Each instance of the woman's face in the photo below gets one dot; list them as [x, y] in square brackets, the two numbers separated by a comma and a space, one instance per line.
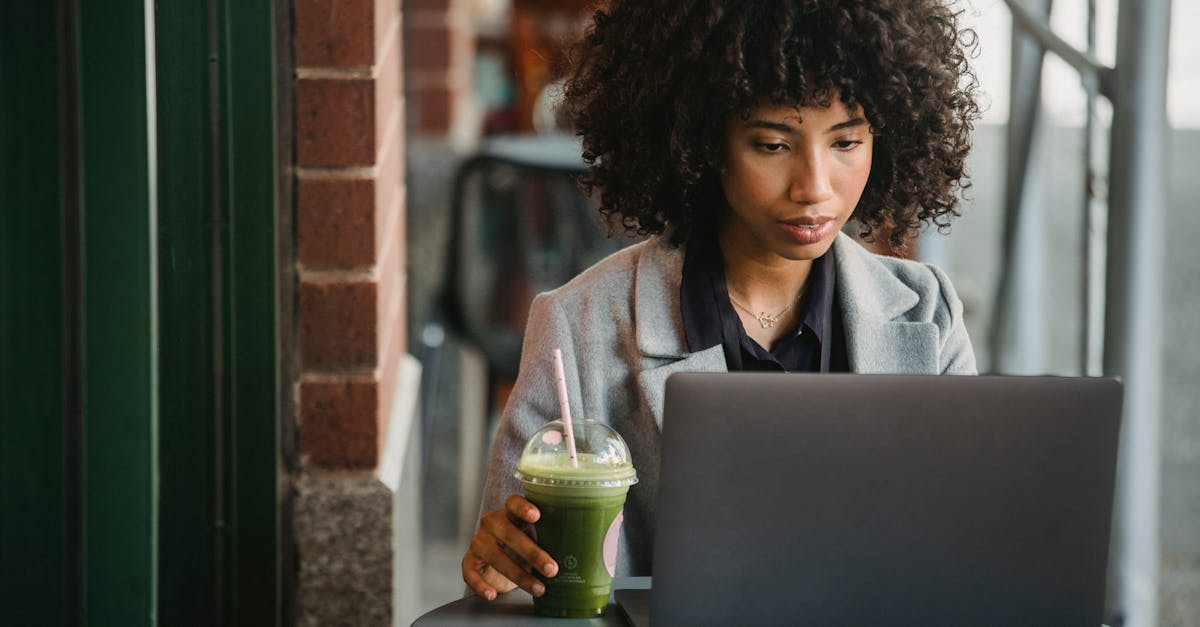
[793, 177]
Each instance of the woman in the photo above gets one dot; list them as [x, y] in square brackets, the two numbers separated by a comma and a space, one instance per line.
[742, 137]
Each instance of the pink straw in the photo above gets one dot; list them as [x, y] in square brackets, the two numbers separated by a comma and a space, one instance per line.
[561, 379]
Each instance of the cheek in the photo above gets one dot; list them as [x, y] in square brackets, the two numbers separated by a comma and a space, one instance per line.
[854, 180]
[749, 185]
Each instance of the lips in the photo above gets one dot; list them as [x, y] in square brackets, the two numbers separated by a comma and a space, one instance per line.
[807, 229]
[807, 221]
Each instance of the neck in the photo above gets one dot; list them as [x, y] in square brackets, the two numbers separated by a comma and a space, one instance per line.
[763, 282]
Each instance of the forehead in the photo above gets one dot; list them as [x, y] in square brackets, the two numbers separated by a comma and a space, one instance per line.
[813, 113]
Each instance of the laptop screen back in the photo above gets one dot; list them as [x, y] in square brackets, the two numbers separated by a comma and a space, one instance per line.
[884, 500]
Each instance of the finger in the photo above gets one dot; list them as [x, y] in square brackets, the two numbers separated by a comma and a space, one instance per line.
[493, 555]
[501, 583]
[521, 509]
[516, 541]
[471, 565]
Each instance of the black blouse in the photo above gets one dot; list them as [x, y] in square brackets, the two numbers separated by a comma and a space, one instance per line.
[817, 344]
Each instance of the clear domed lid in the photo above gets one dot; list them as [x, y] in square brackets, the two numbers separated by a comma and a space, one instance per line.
[604, 459]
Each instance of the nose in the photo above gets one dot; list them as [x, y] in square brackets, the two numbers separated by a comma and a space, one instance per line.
[810, 183]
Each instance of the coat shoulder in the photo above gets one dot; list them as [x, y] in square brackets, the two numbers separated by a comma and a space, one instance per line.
[920, 289]
[612, 275]
[923, 278]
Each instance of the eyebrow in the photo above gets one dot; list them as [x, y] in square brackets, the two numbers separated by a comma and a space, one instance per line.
[785, 128]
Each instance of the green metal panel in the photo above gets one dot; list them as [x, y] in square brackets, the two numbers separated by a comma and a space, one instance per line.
[122, 226]
[252, 334]
[231, 572]
[118, 186]
[32, 453]
[186, 374]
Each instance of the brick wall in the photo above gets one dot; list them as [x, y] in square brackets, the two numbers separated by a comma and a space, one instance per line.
[350, 226]
[350, 262]
[440, 44]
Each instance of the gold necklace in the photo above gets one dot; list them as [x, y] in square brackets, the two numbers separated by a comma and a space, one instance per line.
[765, 319]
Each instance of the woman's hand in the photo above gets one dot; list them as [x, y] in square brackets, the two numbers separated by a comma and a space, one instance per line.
[501, 555]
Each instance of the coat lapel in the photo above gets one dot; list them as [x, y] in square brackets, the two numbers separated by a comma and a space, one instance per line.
[653, 381]
[659, 326]
[879, 337]
[657, 320]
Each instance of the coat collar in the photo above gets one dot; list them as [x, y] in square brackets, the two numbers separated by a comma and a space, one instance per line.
[868, 291]
[659, 324]
[657, 318]
[880, 337]
[878, 294]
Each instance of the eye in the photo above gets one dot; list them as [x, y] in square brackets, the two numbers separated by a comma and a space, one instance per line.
[846, 144]
[770, 147]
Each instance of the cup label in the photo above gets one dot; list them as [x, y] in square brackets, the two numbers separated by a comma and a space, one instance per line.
[569, 563]
[610, 544]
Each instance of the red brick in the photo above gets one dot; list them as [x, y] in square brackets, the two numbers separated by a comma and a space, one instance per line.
[338, 325]
[389, 371]
[335, 223]
[427, 5]
[389, 95]
[395, 335]
[335, 122]
[390, 291]
[389, 188]
[432, 109]
[428, 48]
[339, 424]
[334, 33]
[391, 274]
[387, 17]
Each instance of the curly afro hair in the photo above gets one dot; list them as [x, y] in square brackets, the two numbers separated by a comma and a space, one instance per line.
[652, 86]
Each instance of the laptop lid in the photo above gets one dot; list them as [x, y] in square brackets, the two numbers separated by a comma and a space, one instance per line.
[884, 500]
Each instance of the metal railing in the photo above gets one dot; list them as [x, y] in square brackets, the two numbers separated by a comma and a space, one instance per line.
[1122, 287]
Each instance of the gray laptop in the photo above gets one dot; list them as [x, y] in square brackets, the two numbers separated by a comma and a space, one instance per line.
[790, 499]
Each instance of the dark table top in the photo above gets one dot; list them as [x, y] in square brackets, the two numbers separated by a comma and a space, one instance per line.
[516, 608]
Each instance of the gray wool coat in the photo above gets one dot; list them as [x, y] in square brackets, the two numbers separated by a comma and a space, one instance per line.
[620, 330]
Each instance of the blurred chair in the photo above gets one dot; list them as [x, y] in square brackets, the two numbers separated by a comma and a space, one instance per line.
[519, 226]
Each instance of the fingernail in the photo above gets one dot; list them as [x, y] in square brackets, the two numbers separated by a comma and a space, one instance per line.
[550, 569]
[538, 589]
[490, 595]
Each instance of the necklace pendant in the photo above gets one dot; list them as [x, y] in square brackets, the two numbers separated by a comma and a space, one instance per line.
[767, 320]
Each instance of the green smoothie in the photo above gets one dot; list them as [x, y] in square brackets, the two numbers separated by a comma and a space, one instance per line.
[581, 517]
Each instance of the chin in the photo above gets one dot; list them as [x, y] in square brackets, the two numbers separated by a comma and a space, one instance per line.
[805, 252]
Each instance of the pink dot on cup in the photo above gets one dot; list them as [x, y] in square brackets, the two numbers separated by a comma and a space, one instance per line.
[552, 437]
[610, 544]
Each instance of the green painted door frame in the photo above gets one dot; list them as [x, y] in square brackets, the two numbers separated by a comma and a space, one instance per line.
[220, 358]
[191, 226]
[118, 153]
[35, 568]
[139, 342]
[250, 164]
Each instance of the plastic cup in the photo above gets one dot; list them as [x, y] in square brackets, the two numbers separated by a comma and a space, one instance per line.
[580, 521]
